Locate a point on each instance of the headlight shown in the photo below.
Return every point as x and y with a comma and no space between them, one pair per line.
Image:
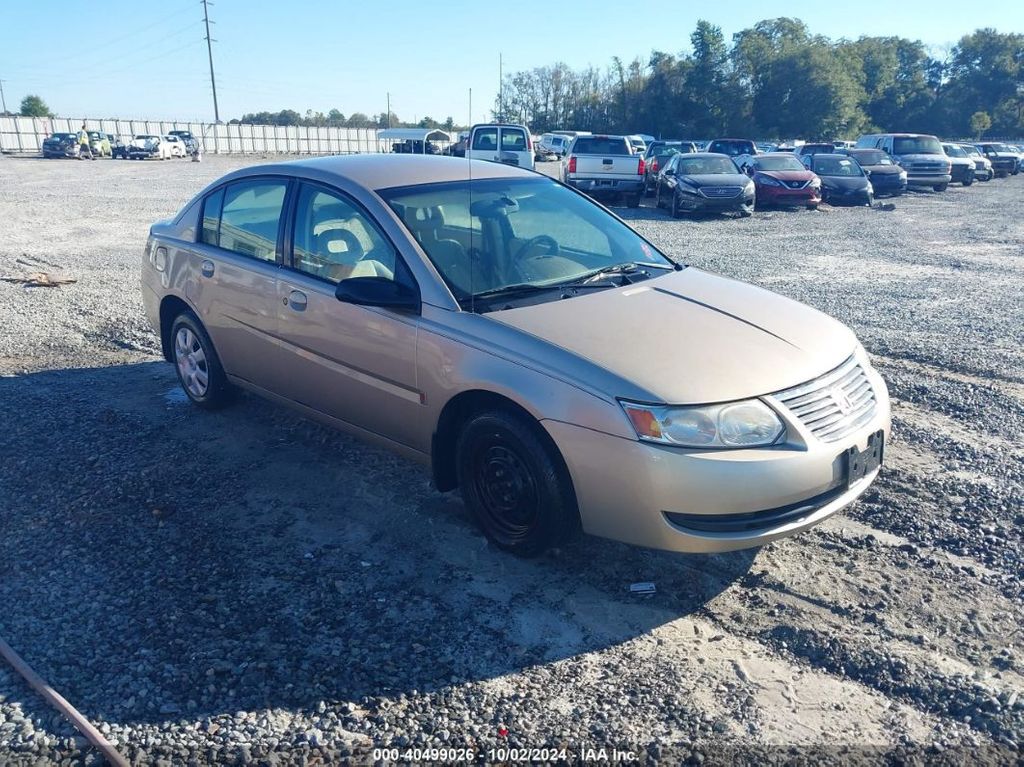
816,184
749,423
903,175
749,188
683,186
769,181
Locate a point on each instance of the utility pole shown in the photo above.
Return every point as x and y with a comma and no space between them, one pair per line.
2,98
501,89
209,50
389,109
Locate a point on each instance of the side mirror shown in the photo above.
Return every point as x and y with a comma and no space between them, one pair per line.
669,172
378,291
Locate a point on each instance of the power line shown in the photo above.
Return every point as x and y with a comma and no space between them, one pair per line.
209,51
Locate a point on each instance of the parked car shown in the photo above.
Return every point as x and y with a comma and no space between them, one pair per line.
843,181
804,152
887,178
145,146
982,165
919,154
555,143
191,143
176,145
99,144
60,145
572,377
605,166
508,144
1004,160
781,179
961,166
657,155
704,182
741,150
118,149
638,144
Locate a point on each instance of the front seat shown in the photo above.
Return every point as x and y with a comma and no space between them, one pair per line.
339,260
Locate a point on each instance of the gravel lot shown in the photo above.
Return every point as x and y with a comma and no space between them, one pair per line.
246,585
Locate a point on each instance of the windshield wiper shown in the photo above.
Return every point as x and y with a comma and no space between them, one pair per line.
525,289
630,267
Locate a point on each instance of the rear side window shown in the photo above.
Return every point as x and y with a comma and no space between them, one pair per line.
250,213
486,139
513,140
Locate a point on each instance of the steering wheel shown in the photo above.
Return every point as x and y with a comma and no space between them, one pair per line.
541,239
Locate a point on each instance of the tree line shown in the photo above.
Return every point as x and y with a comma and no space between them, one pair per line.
777,80
334,118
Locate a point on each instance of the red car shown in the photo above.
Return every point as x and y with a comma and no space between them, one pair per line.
781,179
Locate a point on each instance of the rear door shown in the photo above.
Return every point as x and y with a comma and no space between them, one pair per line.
354,363
514,147
233,275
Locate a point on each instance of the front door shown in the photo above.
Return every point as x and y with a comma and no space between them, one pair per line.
355,363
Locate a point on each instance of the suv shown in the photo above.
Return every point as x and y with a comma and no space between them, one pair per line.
961,166
658,153
1004,160
741,150
919,154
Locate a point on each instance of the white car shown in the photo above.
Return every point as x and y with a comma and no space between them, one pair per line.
146,145
177,146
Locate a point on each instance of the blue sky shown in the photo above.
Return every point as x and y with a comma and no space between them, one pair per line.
148,59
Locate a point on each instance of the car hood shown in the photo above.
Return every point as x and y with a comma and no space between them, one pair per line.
689,337
883,170
716,179
961,160
788,175
846,183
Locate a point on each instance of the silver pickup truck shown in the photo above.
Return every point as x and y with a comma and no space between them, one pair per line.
605,166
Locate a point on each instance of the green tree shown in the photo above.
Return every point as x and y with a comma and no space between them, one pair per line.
980,122
34,106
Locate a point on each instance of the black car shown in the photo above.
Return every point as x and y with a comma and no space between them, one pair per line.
1003,159
886,176
657,154
61,145
843,180
191,145
704,182
118,149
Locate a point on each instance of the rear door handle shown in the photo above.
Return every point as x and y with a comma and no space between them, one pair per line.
206,268
296,300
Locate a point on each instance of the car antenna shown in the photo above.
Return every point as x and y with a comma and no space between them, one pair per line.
469,161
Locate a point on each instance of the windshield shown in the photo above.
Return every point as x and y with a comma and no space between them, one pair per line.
824,165
954,151
916,145
696,166
145,138
872,157
62,136
498,233
784,162
732,148
971,150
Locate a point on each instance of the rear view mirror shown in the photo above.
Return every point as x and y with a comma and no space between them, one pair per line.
378,291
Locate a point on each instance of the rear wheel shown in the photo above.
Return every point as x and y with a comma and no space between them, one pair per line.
515,484
968,180
657,196
197,364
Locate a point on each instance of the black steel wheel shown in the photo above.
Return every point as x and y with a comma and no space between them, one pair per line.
515,483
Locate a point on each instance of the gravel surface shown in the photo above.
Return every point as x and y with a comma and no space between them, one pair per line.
246,585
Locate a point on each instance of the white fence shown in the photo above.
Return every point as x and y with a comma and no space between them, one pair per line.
26,134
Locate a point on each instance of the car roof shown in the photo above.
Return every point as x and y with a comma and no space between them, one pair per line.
383,171
698,155
828,155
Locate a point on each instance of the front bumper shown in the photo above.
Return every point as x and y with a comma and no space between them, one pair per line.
784,489
888,184
700,203
961,173
847,197
775,195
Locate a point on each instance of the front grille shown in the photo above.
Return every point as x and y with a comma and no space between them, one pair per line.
721,191
926,167
835,404
796,184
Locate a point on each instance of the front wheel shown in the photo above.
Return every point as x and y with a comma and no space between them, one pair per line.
968,180
675,206
657,196
515,484
197,364
940,187
633,201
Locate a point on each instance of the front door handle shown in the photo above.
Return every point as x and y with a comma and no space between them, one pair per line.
206,268
296,300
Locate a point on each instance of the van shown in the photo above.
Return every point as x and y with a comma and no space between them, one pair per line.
555,143
919,154
509,144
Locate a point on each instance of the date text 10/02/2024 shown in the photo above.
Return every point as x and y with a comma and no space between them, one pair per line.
503,754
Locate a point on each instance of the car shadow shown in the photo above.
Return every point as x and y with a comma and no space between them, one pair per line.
160,562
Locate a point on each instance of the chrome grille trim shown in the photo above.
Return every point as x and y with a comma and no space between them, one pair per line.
721,191
813,404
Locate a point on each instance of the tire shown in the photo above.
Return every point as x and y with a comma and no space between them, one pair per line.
632,201
657,196
674,211
746,213
812,207
940,187
968,180
195,359
515,484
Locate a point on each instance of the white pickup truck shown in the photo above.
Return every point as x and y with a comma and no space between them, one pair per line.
605,166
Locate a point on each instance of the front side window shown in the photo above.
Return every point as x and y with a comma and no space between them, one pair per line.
335,240
250,218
